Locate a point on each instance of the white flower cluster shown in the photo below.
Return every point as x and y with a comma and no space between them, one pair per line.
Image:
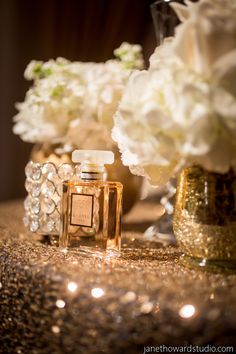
130,55
182,111
73,103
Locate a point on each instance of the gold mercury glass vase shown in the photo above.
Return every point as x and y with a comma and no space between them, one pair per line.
205,219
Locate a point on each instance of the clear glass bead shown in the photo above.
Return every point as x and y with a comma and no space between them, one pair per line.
48,189
34,225
36,189
49,170
47,205
47,224
65,172
36,171
35,206
28,169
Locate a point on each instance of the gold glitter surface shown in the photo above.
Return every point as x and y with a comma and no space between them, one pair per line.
205,215
58,302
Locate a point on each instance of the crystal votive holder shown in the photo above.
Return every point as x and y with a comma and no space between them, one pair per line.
42,204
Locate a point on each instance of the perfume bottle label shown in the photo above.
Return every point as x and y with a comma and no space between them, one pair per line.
82,209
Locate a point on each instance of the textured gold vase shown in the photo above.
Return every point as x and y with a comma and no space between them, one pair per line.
116,172
205,218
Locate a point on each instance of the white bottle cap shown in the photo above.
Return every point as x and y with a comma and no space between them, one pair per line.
99,157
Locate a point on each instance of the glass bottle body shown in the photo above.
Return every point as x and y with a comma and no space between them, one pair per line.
91,217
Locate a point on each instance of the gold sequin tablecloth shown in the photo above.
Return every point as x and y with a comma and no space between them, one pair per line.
55,302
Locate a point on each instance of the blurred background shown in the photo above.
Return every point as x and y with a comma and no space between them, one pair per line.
79,30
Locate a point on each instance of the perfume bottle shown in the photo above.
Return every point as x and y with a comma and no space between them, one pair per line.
91,206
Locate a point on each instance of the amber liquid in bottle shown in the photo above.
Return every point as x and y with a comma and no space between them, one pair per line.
91,216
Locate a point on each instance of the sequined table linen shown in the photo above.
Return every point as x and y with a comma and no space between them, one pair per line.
57,302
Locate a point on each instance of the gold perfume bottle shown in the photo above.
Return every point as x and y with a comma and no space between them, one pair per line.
91,206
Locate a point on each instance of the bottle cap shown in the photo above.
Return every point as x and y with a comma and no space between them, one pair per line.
99,157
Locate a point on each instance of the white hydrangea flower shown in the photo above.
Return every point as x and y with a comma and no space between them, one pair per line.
182,111
130,55
48,108
68,97
207,33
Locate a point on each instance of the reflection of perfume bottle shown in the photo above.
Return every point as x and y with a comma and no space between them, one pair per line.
91,206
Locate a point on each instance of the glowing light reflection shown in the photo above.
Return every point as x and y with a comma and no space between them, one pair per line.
55,329
97,292
60,303
72,286
187,311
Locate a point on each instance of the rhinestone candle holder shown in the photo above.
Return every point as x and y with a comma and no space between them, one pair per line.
42,204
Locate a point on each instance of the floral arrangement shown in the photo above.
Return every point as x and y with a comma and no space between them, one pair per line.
73,103
182,110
